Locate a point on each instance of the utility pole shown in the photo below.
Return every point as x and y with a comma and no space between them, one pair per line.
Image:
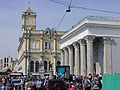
51,32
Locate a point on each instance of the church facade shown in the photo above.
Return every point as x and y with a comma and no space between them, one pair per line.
92,46
37,46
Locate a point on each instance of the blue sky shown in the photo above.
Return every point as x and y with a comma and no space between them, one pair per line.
49,15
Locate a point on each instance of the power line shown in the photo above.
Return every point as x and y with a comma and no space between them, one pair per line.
68,10
61,20
98,10
90,9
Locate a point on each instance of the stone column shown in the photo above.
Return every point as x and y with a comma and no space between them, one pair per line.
34,66
83,57
54,64
107,56
77,59
62,57
90,62
70,49
66,56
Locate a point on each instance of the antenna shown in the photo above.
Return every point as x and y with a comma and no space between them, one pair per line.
28,4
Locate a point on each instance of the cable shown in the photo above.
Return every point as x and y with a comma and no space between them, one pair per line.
63,15
98,10
61,21
90,9
62,3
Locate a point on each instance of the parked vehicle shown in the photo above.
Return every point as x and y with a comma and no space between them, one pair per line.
56,84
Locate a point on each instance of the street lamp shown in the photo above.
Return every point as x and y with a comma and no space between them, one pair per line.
51,32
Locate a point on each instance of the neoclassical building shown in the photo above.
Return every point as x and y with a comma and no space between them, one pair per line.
34,47
92,46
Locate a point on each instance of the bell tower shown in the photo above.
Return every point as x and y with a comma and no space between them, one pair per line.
28,20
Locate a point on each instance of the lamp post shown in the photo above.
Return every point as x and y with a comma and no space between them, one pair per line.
51,32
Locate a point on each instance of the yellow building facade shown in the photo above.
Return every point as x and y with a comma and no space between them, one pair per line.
36,46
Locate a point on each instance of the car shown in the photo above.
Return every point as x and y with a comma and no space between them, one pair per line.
56,84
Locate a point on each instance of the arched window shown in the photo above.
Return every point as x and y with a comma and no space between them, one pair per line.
58,63
36,66
45,65
31,66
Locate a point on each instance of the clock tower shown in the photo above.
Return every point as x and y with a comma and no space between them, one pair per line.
28,20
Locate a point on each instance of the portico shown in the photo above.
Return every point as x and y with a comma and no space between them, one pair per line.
87,47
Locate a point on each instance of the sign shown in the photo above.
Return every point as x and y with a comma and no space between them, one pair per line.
41,69
63,72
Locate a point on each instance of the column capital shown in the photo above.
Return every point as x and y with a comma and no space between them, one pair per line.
89,38
82,42
76,44
107,40
66,49
70,47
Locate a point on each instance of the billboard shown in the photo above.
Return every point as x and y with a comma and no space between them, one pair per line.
41,69
63,72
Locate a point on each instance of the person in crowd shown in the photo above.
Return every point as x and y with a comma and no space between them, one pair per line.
90,77
87,83
26,84
74,78
95,84
30,85
71,86
78,86
3,85
8,85
100,82
34,84
39,84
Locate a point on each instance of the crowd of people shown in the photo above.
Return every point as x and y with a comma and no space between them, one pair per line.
90,82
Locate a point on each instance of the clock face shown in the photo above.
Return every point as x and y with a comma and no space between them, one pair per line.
29,21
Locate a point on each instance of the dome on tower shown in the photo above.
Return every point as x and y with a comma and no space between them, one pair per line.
29,10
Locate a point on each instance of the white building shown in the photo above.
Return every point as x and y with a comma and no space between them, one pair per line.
6,63
92,46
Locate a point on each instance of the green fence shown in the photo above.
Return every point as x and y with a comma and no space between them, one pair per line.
111,82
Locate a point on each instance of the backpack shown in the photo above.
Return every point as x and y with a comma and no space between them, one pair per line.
88,83
95,85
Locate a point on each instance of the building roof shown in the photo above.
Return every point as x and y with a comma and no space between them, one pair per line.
29,10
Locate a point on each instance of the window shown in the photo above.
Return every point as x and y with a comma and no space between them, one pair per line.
4,60
4,65
36,66
7,64
35,44
47,45
32,66
45,66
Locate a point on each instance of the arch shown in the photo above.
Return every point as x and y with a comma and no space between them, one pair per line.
58,63
37,66
31,66
45,66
